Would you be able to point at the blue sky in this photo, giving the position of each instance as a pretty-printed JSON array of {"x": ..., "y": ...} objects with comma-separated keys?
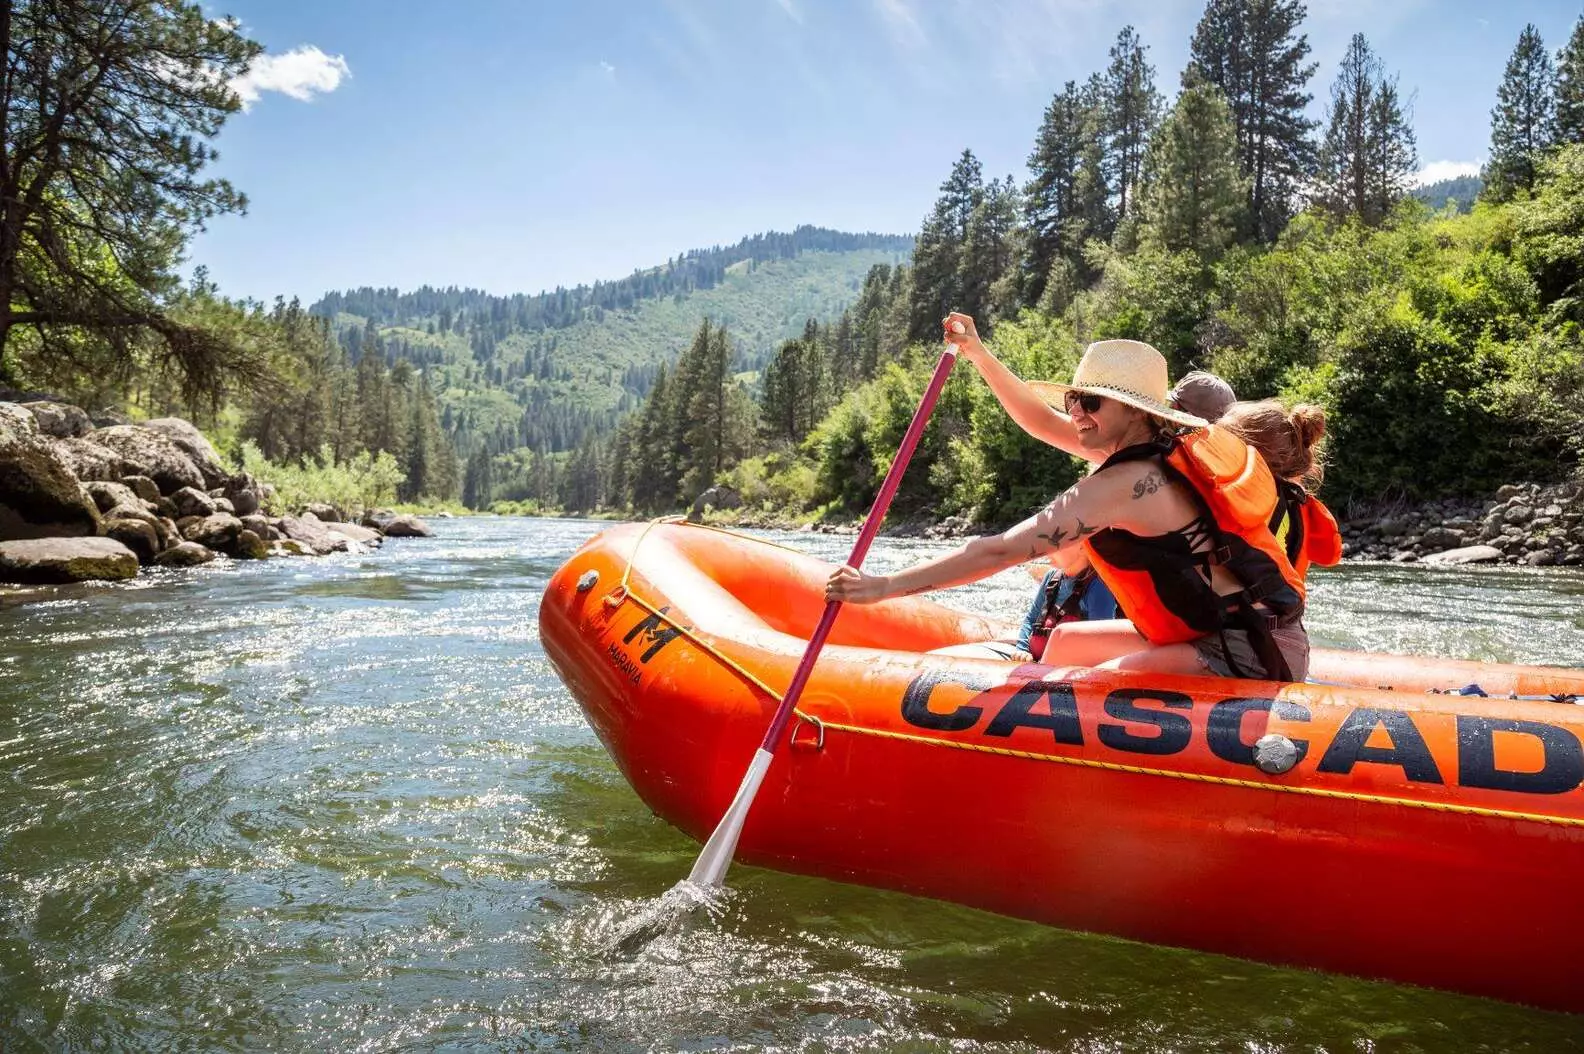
[{"x": 515, "y": 145}]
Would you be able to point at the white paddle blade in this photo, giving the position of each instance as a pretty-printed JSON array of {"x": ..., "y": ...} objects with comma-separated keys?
[{"x": 713, "y": 862}]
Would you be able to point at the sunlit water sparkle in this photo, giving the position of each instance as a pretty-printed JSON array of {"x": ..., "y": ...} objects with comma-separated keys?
[{"x": 345, "y": 804}]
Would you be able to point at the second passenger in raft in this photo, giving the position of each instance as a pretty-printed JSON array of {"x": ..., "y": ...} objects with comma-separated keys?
[{"x": 1175, "y": 520}]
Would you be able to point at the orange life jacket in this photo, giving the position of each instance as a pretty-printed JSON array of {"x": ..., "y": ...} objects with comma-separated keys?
[
  {"x": 1162, "y": 582},
  {"x": 1306, "y": 528}
]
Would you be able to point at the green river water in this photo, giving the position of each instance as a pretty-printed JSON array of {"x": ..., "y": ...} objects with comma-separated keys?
[{"x": 346, "y": 805}]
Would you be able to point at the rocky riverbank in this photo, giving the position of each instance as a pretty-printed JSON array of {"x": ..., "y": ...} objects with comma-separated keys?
[
  {"x": 1538, "y": 525},
  {"x": 82, "y": 500}
]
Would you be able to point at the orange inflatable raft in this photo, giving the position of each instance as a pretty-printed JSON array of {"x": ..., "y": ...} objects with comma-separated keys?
[{"x": 1424, "y": 838}]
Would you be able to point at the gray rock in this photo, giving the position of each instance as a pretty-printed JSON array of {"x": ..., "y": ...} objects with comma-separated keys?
[
  {"x": 140, "y": 537},
  {"x": 378, "y": 518},
  {"x": 192, "y": 443},
  {"x": 1518, "y": 513},
  {"x": 39, "y": 495},
  {"x": 90, "y": 460},
  {"x": 1472, "y": 554},
  {"x": 43, "y": 560},
  {"x": 1438, "y": 538},
  {"x": 355, "y": 532},
  {"x": 1508, "y": 491},
  {"x": 108, "y": 495},
  {"x": 184, "y": 554},
  {"x": 1551, "y": 511},
  {"x": 218, "y": 531},
  {"x": 1541, "y": 558},
  {"x": 143, "y": 487},
  {"x": 61, "y": 420},
  {"x": 323, "y": 512},
  {"x": 190, "y": 501},
  {"x": 249, "y": 546},
  {"x": 167, "y": 508},
  {"x": 1394, "y": 526},
  {"x": 1403, "y": 556},
  {"x": 407, "y": 527},
  {"x": 260, "y": 526},
  {"x": 309, "y": 531},
  {"x": 292, "y": 547},
  {"x": 132, "y": 511},
  {"x": 244, "y": 493},
  {"x": 151, "y": 454},
  {"x": 223, "y": 505}
]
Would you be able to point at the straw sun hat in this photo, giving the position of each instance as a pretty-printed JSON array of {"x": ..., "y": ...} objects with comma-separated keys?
[{"x": 1128, "y": 371}]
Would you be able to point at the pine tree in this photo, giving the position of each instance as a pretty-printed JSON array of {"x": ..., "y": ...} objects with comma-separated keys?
[
  {"x": 1253, "y": 52},
  {"x": 988, "y": 253},
  {"x": 1132, "y": 108},
  {"x": 1194, "y": 197},
  {"x": 1570, "y": 88},
  {"x": 1368, "y": 155},
  {"x": 1050, "y": 196},
  {"x": 938, "y": 252},
  {"x": 1523, "y": 124},
  {"x": 1093, "y": 216}
]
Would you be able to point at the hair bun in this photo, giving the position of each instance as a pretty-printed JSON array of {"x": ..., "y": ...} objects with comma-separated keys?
[{"x": 1309, "y": 422}]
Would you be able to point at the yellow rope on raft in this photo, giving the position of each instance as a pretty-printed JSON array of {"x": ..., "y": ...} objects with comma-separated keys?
[{"x": 624, "y": 592}]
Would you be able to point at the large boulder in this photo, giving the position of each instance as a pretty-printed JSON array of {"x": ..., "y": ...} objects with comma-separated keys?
[
  {"x": 1469, "y": 554},
  {"x": 249, "y": 546},
  {"x": 378, "y": 518},
  {"x": 61, "y": 420},
  {"x": 44, "y": 560},
  {"x": 407, "y": 527},
  {"x": 260, "y": 526},
  {"x": 143, "y": 487},
  {"x": 192, "y": 443},
  {"x": 190, "y": 501},
  {"x": 324, "y": 512},
  {"x": 39, "y": 495},
  {"x": 89, "y": 460},
  {"x": 137, "y": 535},
  {"x": 218, "y": 531},
  {"x": 356, "y": 532},
  {"x": 244, "y": 493},
  {"x": 184, "y": 554},
  {"x": 152, "y": 454},
  {"x": 108, "y": 495},
  {"x": 310, "y": 532}
]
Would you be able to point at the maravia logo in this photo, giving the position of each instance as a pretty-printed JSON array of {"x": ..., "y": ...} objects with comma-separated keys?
[
  {"x": 1157, "y": 722},
  {"x": 655, "y": 633}
]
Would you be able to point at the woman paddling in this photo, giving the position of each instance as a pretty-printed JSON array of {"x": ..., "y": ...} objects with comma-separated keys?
[{"x": 1176, "y": 525}]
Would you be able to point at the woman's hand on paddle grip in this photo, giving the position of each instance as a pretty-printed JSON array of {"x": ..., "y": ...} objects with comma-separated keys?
[
  {"x": 959, "y": 330},
  {"x": 851, "y": 586}
]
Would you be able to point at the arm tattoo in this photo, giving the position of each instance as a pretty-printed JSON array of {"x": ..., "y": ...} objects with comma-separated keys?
[
  {"x": 1149, "y": 484},
  {"x": 1084, "y": 530},
  {"x": 1055, "y": 537}
]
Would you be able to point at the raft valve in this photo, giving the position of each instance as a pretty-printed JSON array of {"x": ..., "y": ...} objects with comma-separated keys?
[
  {"x": 586, "y": 582},
  {"x": 1275, "y": 754}
]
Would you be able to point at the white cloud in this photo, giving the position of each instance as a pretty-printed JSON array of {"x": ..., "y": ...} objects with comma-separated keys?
[
  {"x": 607, "y": 69},
  {"x": 792, "y": 11},
  {"x": 300, "y": 73},
  {"x": 1436, "y": 171}
]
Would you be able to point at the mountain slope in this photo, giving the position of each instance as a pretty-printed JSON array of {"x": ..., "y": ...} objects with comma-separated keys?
[{"x": 546, "y": 371}]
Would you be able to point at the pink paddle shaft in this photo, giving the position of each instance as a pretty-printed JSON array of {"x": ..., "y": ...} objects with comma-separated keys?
[{"x": 860, "y": 548}]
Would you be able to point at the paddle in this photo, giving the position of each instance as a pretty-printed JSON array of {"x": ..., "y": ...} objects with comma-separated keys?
[{"x": 710, "y": 870}]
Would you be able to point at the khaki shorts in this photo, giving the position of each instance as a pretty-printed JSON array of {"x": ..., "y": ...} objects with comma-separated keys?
[{"x": 1291, "y": 640}]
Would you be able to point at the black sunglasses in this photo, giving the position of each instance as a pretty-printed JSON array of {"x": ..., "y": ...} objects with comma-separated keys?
[{"x": 1090, "y": 402}]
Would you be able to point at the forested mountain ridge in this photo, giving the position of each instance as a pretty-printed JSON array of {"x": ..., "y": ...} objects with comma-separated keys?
[{"x": 548, "y": 371}]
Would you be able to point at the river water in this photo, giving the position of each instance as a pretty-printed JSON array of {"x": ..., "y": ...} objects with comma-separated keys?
[{"x": 346, "y": 805}]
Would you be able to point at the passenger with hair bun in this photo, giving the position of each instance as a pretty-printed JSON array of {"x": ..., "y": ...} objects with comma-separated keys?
[{"x": 1289, "y": 441}]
